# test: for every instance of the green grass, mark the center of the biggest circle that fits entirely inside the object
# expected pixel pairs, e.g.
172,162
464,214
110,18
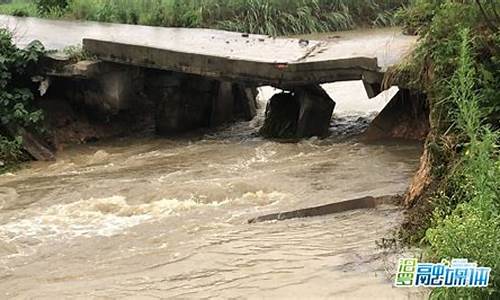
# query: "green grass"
273,17
457,64
466,224
21,8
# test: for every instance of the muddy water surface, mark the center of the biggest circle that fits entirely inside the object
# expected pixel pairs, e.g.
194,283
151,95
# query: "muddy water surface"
150,218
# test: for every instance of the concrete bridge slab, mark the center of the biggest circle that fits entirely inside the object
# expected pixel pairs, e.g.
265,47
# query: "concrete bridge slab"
228,55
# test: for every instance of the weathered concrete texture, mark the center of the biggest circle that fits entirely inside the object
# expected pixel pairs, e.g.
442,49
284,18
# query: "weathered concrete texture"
245,101
304,112
406,116
372,89
316,109
185,102
106,88
182,102
222,104
282,114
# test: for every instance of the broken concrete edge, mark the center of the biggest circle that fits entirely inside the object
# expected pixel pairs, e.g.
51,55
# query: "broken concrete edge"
256,72
82,69
366,202
406,116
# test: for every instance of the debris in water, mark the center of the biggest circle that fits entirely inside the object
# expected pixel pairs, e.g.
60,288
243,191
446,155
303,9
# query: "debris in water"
303,43
337,207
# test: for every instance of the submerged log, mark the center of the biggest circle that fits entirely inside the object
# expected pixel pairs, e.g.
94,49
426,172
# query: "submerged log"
337,207
32,144
36,147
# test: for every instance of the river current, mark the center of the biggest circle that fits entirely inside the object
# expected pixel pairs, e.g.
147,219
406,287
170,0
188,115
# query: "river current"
145,217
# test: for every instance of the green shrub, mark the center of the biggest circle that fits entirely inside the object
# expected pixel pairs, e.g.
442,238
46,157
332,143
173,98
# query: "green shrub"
18,8
469,232
16,99
466,216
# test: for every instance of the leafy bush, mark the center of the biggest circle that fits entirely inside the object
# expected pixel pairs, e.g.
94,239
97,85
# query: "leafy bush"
16,99
455,63
472,229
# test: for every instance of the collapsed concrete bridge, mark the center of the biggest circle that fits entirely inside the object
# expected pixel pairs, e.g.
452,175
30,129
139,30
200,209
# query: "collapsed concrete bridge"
203,77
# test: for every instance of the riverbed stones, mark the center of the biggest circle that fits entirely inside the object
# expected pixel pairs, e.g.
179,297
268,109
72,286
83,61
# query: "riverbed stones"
303,112
406,116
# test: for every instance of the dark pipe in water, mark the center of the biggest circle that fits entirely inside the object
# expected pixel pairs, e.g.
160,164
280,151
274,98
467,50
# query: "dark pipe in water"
337,207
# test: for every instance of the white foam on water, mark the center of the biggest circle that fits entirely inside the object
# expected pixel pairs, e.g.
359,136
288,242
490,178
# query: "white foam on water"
95,216
262,198
111,215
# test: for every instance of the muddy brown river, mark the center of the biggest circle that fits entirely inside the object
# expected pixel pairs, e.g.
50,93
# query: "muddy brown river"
147,217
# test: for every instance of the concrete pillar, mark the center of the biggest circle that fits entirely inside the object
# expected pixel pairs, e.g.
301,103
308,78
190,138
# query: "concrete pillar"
372,89
316,109
406,116
304,112
282,114
245,101
183,102
223,104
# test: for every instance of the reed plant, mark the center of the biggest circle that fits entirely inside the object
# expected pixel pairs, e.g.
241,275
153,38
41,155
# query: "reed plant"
272,17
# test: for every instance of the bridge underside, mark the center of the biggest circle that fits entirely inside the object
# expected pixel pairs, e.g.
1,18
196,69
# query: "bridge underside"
185,101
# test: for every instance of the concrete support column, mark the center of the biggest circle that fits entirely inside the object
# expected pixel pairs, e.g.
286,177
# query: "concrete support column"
304,112
185,102
222,104
245,101
406,116
316,109
233,101
372,89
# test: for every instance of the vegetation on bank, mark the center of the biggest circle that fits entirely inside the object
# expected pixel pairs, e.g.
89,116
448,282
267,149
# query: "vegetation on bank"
457,64
272,17
17,110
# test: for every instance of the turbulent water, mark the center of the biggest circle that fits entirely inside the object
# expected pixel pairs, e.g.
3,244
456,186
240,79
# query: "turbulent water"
148,217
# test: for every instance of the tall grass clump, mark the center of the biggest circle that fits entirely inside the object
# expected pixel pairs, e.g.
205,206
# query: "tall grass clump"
18,8
272,17
467,223
457,63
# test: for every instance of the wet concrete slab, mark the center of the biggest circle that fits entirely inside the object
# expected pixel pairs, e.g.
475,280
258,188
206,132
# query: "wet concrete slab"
235,56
